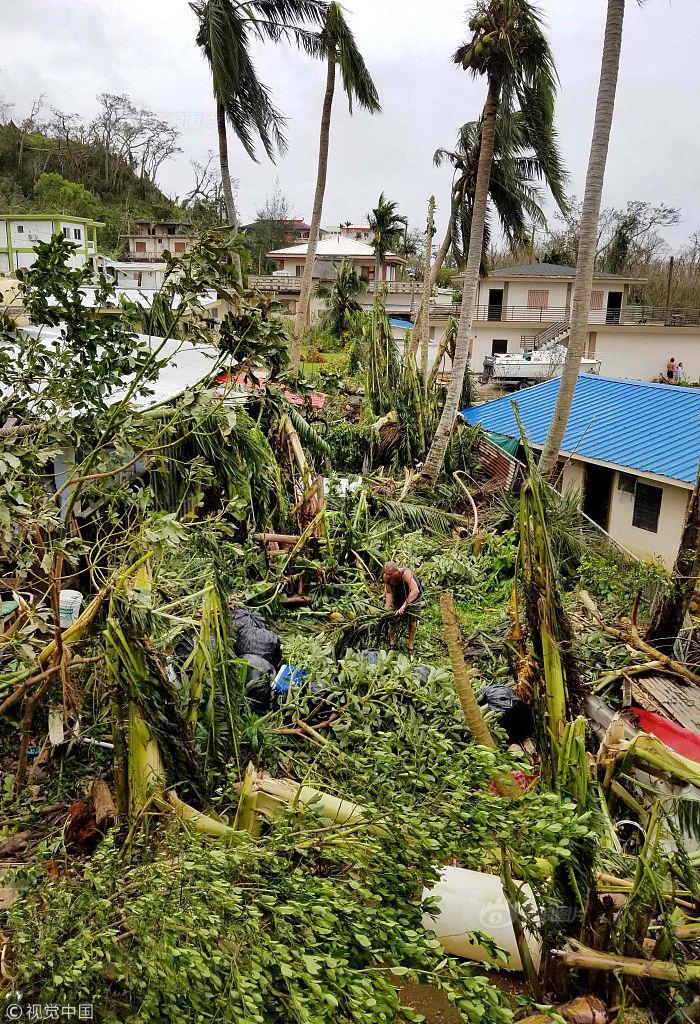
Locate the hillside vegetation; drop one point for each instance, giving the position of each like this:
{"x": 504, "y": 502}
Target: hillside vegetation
{"x": 105, "y": 169}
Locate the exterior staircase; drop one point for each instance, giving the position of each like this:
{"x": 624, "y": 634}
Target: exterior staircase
{"x": 556, "y": 334}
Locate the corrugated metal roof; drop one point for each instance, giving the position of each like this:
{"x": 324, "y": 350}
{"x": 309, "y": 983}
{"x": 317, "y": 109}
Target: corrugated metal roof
{"x": 650, "y": 428}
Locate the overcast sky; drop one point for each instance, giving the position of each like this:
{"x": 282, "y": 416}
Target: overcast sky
{"x": 70, "y": 50}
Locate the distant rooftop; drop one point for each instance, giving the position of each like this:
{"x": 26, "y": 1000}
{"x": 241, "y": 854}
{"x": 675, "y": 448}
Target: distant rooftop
{"x": 650, "y": 428}
{"x": 550, "y": 270}
{"x": 335, "y": 247}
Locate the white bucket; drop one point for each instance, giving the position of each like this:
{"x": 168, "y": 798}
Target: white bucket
{"x": 69, "y": 603}
{"x": 472, "y": 901}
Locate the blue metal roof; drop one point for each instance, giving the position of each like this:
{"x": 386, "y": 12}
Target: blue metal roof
{"x": 650, "y": 428}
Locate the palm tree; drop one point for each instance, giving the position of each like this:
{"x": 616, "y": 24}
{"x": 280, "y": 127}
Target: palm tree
{"x": 588, "y": 236}
{"x": 341, "y": 300}
{"x": 509, "y": 47}
{"x": 225, "y": 31}
{"x": 514, "y": 193}
{"x": 387, "y": 227}
{"x": 335, "y": 44}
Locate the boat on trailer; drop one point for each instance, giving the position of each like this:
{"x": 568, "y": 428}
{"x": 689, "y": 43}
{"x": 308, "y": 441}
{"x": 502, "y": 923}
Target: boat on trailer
{"x": 531, "y": 367}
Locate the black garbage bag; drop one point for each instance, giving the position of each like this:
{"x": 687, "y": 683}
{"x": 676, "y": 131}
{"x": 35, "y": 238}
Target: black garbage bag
{"x": 258, "y": 684}
{"x": 253, "y": 636}
{"x": 514, "y": 714}
{"x": 422, "y": 672}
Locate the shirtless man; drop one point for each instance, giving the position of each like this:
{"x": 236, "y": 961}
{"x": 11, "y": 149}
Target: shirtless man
{"x": 404, "y": 593}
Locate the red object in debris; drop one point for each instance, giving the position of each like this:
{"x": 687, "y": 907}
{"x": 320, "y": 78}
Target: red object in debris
{"x": 318, "y": 399}
{"x": 683, "y": 741}
{"x": 521, "y": 778}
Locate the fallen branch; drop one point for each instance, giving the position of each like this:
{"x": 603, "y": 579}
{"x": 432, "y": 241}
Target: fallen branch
{"x": 475, "y": 527}
{"x": 631, "y": 636}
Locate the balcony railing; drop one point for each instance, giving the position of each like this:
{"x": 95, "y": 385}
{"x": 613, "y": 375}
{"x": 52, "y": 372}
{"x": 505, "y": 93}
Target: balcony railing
{"x": 270, "y": 283}
{"x": 290, "y": 283}
{"x": 649, "y": 316}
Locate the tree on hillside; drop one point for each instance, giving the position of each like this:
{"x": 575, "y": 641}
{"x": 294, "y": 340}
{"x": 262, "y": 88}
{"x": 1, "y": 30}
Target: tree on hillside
{"x": 510, "y": 49}
{"x": 54, "y": 194}
{"x": 588, "y": 236}
{"x": 388, "y": 229}
{"x": 628, "y": 239}
{"x": 336, "y": 45}
{"x": 226, "y": 29}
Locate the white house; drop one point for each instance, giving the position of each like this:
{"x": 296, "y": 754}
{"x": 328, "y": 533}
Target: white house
{"x": 128, "y": 274}
{"x": 331, "y": 251}
{"x": 631, "y": 449}
{"x": 355, "y": 232}
{"x": 20, "y": 234}
{"x": 520, "y": 307}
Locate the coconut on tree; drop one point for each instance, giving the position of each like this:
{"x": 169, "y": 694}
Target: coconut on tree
{"x": 225, "y": 31}
{"x": 334, "y": 43}
{"x": 588, "y": 236}
{"x": 509, "y": 49}
{"x": 388, "y": 229}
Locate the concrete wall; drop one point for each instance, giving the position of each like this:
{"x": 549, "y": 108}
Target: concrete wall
{"x": 516, "y": 292}
{"x": 642, "y": 354}
{"x": 664, "y": 543}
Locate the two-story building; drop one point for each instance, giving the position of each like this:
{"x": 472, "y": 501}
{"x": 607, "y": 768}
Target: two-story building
{"x": 21, "y": 233}
{"x": 523, "y": 307}
{"x": 148, "y": 240}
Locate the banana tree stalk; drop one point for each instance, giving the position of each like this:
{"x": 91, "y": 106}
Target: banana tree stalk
{"x": 583, "y": 958}
{"x": 511, "y": 894}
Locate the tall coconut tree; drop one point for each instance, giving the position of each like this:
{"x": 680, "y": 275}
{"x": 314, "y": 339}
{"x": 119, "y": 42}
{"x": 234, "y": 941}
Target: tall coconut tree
{"x": 509, "y": 48}
{"x": 514, "y": 188}
{"x": 588, "y": 236}
{"x": 388, "y": 228}
{"x": 225, "y": 31}
{"x": 335, "y": 44}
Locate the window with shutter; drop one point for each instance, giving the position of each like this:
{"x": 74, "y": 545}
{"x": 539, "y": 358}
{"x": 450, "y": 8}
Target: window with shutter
{"x": 537, "y": 298}
{"x": 596, "y": 300}
{"x": 647, "y": 506}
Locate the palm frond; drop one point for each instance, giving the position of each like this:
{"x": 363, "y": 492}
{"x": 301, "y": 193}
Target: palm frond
{"x": 308, "y": 434}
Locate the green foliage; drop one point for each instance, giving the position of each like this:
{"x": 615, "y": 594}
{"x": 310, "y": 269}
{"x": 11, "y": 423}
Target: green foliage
{"x": 387, "y": 227}
{"x": 341, "y": 301}
{"x": 55, "y": 194}
{"x": 245, "y": 934}
{"x": 349, "y": 445}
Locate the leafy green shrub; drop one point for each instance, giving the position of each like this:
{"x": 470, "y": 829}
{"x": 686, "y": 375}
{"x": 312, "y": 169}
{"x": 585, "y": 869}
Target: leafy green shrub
{"x": 350, "y": 443}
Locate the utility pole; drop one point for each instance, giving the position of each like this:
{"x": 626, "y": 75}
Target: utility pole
{"x": 669, "y": 282}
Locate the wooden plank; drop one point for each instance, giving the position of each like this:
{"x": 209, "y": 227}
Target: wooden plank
{"x": 676, "y": 700}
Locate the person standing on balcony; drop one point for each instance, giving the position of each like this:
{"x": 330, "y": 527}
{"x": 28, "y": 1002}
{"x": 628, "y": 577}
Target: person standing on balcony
{"x": 670, "y": 368}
